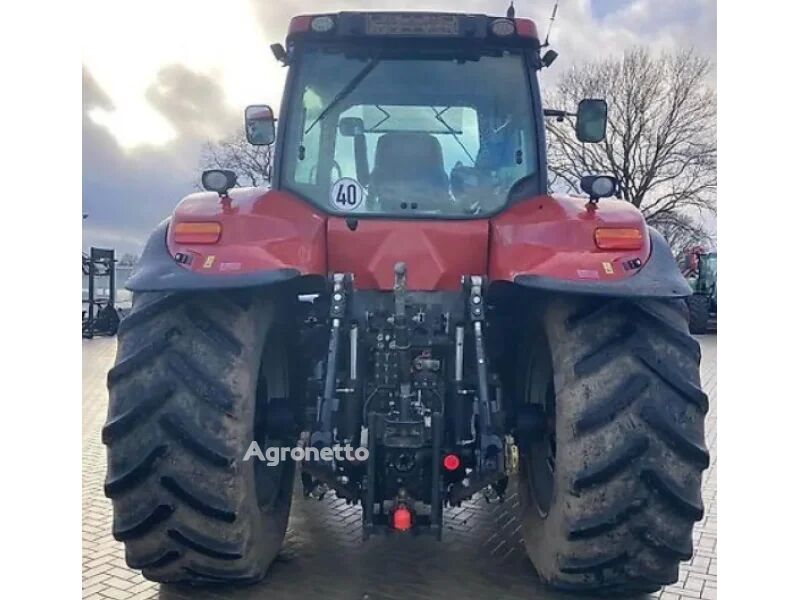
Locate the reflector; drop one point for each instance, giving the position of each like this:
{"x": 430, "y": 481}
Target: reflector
{"x": 401, "y": 519}
{"x": 526, "y": 28}
{"x": 451, "y": 462}
{"x": 300, "y": 24}
{"x": 618, "y": 238}
{"x": 197, "y": 232}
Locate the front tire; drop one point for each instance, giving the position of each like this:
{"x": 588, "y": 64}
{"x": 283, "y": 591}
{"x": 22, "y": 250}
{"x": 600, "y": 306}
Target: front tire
{"x": 192, "y": 378}
{"x": 610, "y": 493}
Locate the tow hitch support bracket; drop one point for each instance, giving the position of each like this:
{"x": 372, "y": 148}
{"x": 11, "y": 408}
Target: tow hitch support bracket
{"x": 318, "y": 474}
{"x": 328, "y": 402}
{"x": 491, "y": 456}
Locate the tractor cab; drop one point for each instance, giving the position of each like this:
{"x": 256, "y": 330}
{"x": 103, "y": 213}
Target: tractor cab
{"x": 411, "y": 115}
{"x": 707, "y": 273}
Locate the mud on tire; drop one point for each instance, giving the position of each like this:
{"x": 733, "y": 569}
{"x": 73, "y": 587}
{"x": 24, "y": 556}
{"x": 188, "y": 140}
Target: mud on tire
{"x": 192, "y": 375}
{"x": 623, "y": 388}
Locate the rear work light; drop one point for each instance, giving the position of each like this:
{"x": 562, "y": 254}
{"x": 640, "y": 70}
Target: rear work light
{"x": 197, "y": 233}
{"x": 618, "y": 238}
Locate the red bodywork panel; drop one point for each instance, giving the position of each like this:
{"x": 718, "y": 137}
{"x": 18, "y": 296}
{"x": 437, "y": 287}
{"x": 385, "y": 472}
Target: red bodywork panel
{"x": 553, "y": 236}
{"x": 550, "y": 236}
{"x": 261, "y": 230}
{"x": 437, "y": 253}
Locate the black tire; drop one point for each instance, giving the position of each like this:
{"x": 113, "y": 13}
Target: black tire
{"x": 192, "y": 378}
{"x": 698, "y": 313}
{"x": 619, "y": 383}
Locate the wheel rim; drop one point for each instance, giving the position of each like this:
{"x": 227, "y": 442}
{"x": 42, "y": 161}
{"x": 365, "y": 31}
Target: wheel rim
{"x": 271, "y": 482}
{"x": 540, "y": 462}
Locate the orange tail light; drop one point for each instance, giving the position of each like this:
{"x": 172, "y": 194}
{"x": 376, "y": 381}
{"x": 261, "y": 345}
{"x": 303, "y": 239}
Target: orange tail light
{"x": 197, "y": 233}
{"x": 618, "y": 238}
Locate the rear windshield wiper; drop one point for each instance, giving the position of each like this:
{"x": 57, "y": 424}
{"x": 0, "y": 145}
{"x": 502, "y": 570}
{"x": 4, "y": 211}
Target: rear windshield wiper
{"x": 440, "y": 117}
{"x": 346, "y": 90}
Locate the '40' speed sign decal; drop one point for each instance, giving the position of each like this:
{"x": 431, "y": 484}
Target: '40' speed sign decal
{"x": 347, "y": 195}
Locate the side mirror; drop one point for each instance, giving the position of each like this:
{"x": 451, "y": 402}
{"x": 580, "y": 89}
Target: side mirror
{"x": 592, "y": 120}
{"x": 549, "y": 58}
{"x": 259, "y": 125}
{"x": 599, "y": 186}
{"x": 351, "y": 126}
{"x": 218, "y": 180}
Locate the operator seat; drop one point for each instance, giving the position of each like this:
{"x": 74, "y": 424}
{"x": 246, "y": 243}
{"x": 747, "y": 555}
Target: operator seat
{"x": 409, "y": 173}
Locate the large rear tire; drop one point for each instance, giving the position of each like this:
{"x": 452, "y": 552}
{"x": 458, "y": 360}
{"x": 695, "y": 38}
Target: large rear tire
{"x": 698, "y": 313}
{"x": 611, "y": 492}
{"x": 194, "y": 377}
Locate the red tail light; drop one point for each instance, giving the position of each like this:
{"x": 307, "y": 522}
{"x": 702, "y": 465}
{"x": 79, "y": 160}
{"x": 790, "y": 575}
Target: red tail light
{"x": 451, "y": 462}
{"x": 526, "y": 28}
{"x": 401, "y": 519}
{"x": 300, "y": 24}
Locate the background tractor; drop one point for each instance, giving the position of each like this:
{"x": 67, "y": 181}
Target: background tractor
{"x": 701, "y": 273}
{"x": 407, "y": 286}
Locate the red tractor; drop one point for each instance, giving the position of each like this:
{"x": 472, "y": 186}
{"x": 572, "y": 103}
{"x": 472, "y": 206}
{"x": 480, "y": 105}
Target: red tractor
{"x": 408, "y": 289}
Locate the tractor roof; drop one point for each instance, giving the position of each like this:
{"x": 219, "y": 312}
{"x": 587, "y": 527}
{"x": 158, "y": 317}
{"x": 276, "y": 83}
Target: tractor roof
{"x": 377, "y": 26}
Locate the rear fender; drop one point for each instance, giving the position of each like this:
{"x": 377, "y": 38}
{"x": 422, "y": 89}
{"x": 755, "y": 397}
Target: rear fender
{"x": 267, "y": 237}
{"x": 548, "y": 243}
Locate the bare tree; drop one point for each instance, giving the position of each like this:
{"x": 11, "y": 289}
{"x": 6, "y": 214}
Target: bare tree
{"x": 128, "y": 259}
{"x": 682, "y": 231}
{"x": 252, "y": 164}
{"x": 661, "y": 138}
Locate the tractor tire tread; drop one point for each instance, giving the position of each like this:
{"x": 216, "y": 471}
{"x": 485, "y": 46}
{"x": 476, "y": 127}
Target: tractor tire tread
{"x": 631, "y": 460}
{"x": 177, "y": 429}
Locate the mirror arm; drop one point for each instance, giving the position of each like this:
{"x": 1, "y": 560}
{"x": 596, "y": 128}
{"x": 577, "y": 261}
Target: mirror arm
{"x": 559, "y": 114}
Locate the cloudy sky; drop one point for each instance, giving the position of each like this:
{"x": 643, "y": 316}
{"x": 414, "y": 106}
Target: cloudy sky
{"x": 160, "y": 77}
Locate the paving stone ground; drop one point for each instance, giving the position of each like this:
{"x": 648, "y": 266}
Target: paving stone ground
{"x": 481, "y": 555}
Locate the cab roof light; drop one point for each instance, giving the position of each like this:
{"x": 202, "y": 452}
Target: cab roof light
{"x": 300, "y": 24}
{"x": 503, "y": 27}
{"x": 312, "y": 23}
{"x": 526, "y": 28}
{"x": 197, "y": 232}
{"x": 322, "y": 24}
{"x": 618, "y": 238}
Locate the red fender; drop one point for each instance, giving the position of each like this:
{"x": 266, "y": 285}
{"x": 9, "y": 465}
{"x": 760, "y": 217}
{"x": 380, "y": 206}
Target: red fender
{"x": 554, "y": 237}
{"x": 546, "y": 242}
{"x": 261, "y": 230}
